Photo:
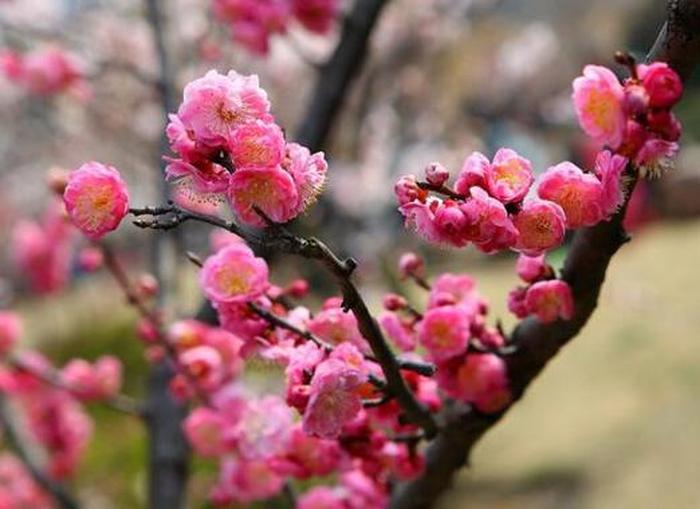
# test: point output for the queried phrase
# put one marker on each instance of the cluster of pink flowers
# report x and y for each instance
(17, 487)
(253, 22)
(632, 118)
(45, 72)
(544, 296)
(454, 334)
(488, 204)
(230, 149)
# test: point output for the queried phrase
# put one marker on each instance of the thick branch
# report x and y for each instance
(337, 74)
(62, 498)
(584, 270)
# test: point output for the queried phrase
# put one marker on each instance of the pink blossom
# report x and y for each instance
(452, 289)
(598, 100)
(203, 176)
(404, 464)
(237, 318)
(204, 365)
(489, 226)
(96, 199)
(272, 190)
(246, 481)
(451, 222)
(257, 144)
(45, 72)
(483, 381)
(662, 83)
(411, 264)
(516, 302)
(264, 429)
(578, 193)
(398, 332)
(609, 169)
(205, 429)
(308, 172)
(308, 456)
(444, 332)
(10, 331)
(215, 105)
(234, 274)
(406, 190)
(316, 15)
(420, 216)
(17, 488)
(252, 22)
(532, 268)
(335, 326)
(473, 173)
(509, 178)
(333, 399)
(363, 491)
(541, 226)
(90, 259)
(322, 497)
(550, 300)
(436, 174)
(655, 157)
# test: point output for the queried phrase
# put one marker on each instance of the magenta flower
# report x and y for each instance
(483, 380)
(598, 100)
(246, 481)
(662, 83)
(316, 15)
(541, 226)
(609, 169)
(271, 190)
(445, 332)
(532, 268)
(205, 428)
(257, 144)
(509, 177)
(96, 199)
(549, 300)
(234, 275)
(323, 497)
(579, 194)
(473, 173)
(489, 225)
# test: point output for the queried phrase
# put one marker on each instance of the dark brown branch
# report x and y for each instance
(62, 498)
(337, 74)
(537, 343)
(278, 239)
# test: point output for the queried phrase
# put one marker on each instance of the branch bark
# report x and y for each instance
(168, 448)
(584, 269)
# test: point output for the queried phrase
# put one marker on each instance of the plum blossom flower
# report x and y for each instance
(509, 177)
(541, 226)
(264, 428)
(271, 190)
(662, 83)
(578, 193)
(333, 400)
(334, 325)
(96, 199)
(204, 365)
(307, 456)
(399, 333)
(489, 225)
(473, 173)
(308, 172)
(483, 381)
(322, 497)
(93, 382)
(444, 332)
(609, 169)
(246, 481)
(205, 431)
(234, 274)
(598, 100)
(549, 300)
(532, 268)
(257, 144)
(215, 105)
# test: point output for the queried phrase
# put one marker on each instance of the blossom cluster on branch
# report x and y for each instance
(360, 394)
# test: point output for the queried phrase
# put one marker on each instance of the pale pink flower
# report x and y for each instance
(205, 429)
(264, 429)
(541, 226)
(549, 300)
(272, 190)
(335, 326)
(316, 15)
(509, 177)
(234, 274)
(308, 171)
(445, 332)
(609, 169)
(10, 331)
(216, 104)
(257, 144)
(483, 381)
(204, 365)
(333, 400)
(96, 199)
(598, 100)
(662, 83)
(322, 497)
(246, 481)
(578, 193)
(473, 173)
(532, 268)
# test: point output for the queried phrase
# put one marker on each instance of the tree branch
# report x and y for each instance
(62, 498)
(584, 269)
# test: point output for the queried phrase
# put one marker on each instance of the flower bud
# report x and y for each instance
(410, 263)
(636, 99)
(394, 302)
(436, 174)
(662, 83)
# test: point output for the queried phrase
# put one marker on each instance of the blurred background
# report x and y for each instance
(613, 423)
